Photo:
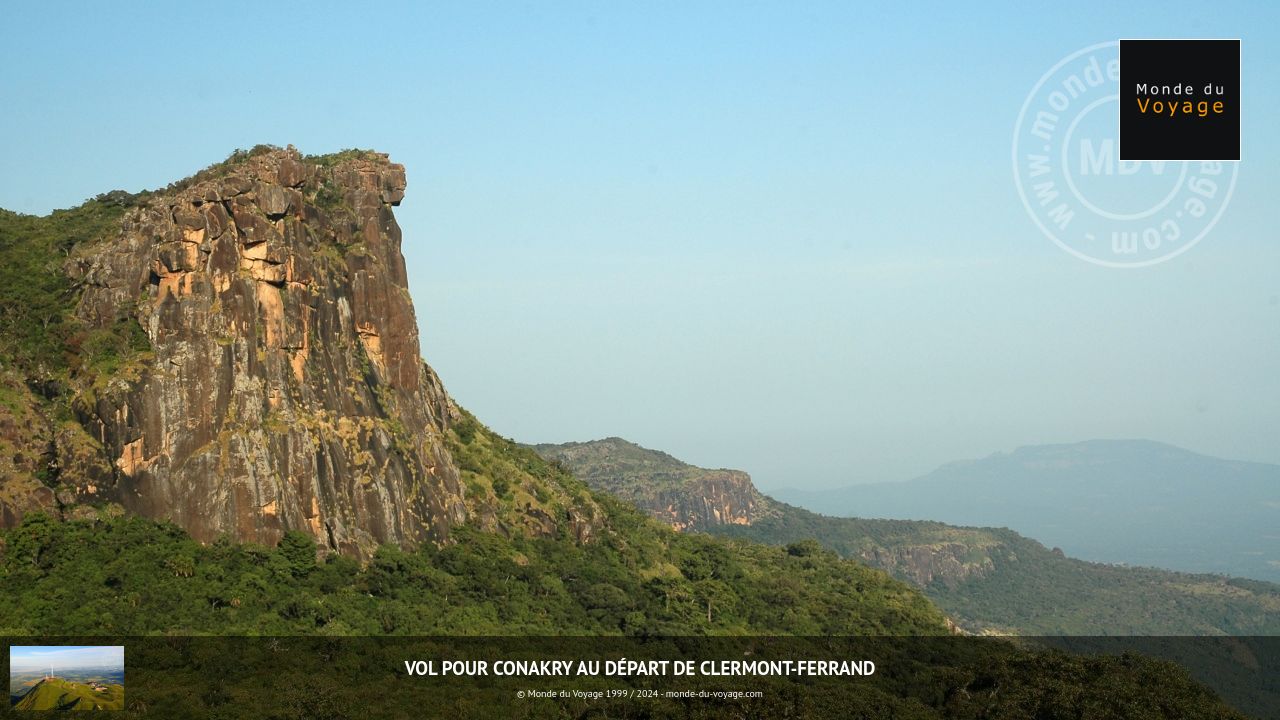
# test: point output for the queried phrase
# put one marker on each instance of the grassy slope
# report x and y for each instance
(59, 694)
(44, 350)
(37, 331)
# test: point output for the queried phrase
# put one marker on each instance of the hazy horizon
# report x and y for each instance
(1000, 453)
(27, 658)
(782, 240)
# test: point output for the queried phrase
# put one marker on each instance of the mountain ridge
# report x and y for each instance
(988, 579)
(59, 694)
(1137, 502)
(680, 495)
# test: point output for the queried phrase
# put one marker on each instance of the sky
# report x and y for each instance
(781, 237)
(64, 657)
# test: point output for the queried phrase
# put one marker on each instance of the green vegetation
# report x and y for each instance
(1028, 589)
(38, 333)
(329, 160)
(135, 576)
(236, 158)
(131, 576)
(514, 485)
(49, 359)
(623, 468)
(988, 580)
(60, 694)
(1118, 501)
(1041, 592)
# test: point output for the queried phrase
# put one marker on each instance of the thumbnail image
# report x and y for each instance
(66, 677)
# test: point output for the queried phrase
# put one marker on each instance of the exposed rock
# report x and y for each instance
(948, 564)
(714, 497)
(681, 495)
(242, 359)
(273, 200)
(292, 173)
(284, 388)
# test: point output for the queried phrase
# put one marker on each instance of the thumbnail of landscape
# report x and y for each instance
(215, 420)
(66, 678)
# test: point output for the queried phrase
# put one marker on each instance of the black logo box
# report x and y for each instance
(1187, 68)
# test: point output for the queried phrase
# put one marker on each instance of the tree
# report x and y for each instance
(299, 549)
(715, 595)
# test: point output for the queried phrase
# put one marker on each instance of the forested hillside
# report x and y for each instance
(995, 580)
(128, 575)
(988, 580)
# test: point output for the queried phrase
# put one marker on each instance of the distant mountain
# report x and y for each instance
(988, 580)
(61, 694)
(1117, 501)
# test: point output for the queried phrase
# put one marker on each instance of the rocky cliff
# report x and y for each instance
(242, 358)
(283, 387)
(946, 563)
(681, 495)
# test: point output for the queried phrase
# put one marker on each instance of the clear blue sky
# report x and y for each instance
(64, 657)
(776, 236)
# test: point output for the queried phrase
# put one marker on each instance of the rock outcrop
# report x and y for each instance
(683, 496)
(949, 563)
(283, 386)
(714, 497)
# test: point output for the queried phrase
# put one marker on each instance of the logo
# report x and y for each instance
(1180, 99)
(1083, 197)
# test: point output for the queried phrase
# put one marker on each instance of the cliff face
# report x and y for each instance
(280, 384)
(681, 495)
(948, 564)
(714, 497)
